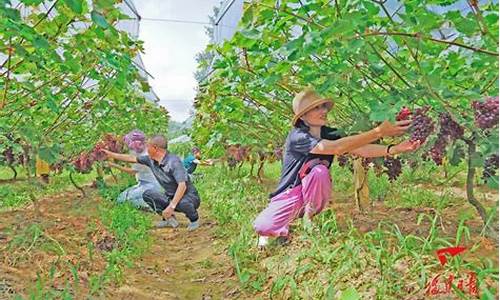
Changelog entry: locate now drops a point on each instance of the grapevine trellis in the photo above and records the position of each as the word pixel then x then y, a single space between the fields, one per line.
pixel 67 76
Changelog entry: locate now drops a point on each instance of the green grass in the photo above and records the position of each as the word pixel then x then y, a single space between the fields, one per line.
pixel 22 192
pixel 128 226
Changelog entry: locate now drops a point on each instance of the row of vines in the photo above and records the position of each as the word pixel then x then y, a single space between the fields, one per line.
pixel 67 77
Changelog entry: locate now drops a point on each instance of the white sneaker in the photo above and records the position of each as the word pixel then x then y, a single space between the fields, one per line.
pixel 193 225
pixel 263 241
pixel 170 222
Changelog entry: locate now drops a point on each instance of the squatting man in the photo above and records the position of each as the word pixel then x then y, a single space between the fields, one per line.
pixel 179 195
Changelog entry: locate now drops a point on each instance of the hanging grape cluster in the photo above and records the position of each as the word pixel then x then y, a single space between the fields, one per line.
pixel 344 161
pixel 449 127
pixel 438 150
pixel 393 167
pixel 422 125
pixel 83 162
pixel 449 130
pixel 8 155
pixel 490 167
pixel 403 114
pixel 486 112
pixel 367 162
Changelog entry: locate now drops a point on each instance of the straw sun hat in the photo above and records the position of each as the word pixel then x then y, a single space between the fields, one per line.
pixel 305 101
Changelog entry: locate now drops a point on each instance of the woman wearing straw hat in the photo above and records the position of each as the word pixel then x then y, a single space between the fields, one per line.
pixel 305 185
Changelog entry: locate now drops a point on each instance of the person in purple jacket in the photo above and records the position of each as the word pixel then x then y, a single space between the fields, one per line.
pixel 305 186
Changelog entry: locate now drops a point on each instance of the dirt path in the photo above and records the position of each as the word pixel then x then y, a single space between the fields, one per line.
pixel 52 245
pixel 181 265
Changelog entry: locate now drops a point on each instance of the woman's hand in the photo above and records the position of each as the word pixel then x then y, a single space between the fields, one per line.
pixel 110 164
pixel 396 129
pixel 109 154
pixel 406 146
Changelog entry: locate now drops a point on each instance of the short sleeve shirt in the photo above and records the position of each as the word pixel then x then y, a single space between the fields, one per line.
pixel 143 173
pixel 298 144
pixel 169 172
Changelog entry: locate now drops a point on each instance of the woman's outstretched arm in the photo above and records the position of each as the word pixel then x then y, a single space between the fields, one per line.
pixel 373 150
pixel 122 168
pixel 349 143
pixel 122 157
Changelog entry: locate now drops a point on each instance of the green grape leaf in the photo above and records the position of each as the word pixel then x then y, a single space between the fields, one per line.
pixel 99 19
pixel 75 5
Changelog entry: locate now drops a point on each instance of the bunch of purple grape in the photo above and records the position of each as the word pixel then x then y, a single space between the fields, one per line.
pixel 449 130
pixel 486 113
pixel 490 166
pixel 422 125
pixel 438 149
pixel 83 163
pixel 449 127
pixel 9 156
pixel 278 153
pixel 343 160
pixel 393 167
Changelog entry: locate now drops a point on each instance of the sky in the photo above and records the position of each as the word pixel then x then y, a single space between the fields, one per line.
pixel 170 49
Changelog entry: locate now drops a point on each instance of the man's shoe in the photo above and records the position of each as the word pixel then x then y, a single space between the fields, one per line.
pixel 170 222
pixel 193 225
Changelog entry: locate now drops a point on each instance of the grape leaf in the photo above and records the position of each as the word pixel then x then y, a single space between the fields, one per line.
pixel 99 19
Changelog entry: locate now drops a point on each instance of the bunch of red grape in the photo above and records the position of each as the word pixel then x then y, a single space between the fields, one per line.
pixel 486 113
pixel 58 167
pixel 231 162
pixel 112 143
pixel 97 153
pixel 25 156
pixel 422 125
pixel 403 114
pixel 109 142
pixel 9 157
pixel 393 167
pixel 345 161
pixel 83 163
pixel 490 166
